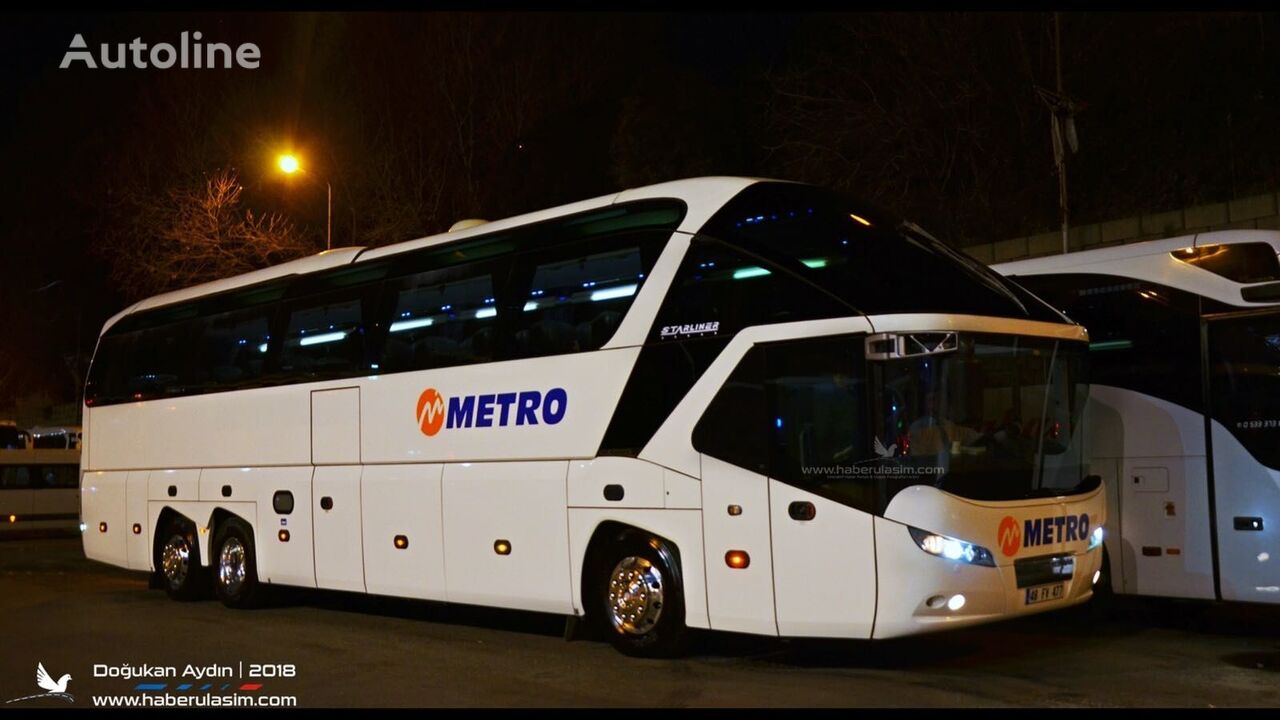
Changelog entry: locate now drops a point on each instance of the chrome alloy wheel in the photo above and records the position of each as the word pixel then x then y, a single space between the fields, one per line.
pixel 232 565
pixel 175 560
pixel 635 596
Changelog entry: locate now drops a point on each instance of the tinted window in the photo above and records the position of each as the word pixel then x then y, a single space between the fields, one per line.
pixel 720 290
pixel 56 476
pixel 818 405
pixel 1142 336
pixel 1243 262
pixel 440 318
pixel 449 304
pixel 874 262
pixel 232 349
pixel 15 477
pixel 735 428
pixel 1244 355
pixel 324 336
pixel 796 411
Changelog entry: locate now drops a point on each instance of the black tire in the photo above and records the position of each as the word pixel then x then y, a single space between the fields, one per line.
pixel 178 563
pixel 235 566
pixel 1103 603
pixel 639 599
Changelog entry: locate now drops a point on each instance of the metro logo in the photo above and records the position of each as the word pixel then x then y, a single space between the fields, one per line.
pixel 1041 531
pixel 430 411
pixel 1009 535
pixel 528 407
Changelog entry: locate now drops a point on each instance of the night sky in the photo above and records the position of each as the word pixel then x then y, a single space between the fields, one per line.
pixel 419 120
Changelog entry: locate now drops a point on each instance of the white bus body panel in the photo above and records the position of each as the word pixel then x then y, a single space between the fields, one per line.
pixel 103 500
pixel 1151 453
pixel 335 426
pixel 338 542
pixel 403 500
pixel 824 569
pixel 523 504
pixel 250 428
pixel 739 600
pixel 139 547
pixel 1248 559
pixel 642 483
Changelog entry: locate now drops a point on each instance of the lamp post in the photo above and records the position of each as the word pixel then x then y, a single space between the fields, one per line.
pixel 290 165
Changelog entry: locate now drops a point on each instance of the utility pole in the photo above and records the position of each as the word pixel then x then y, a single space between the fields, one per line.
pixel 1062 128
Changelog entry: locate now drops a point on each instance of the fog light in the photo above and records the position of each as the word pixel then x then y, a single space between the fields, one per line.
pixel 955 603
pixel 1097 574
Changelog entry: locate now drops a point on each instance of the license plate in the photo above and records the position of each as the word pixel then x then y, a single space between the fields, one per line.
pixel 1044 593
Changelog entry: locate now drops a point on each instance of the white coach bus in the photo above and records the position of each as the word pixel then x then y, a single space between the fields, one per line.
pixel 1184 412
pixel 716 403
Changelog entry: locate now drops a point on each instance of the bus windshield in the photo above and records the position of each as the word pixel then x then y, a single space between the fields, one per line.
pixel 985 417
pixel 872 261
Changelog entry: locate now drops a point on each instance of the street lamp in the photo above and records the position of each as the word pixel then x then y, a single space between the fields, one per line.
pixel 289 164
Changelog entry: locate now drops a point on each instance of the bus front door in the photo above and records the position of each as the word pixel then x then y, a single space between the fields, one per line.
pixel 1243 351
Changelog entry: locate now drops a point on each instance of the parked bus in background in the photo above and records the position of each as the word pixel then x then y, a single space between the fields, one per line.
pixel 64 437
pixel 1184 417
pixel 39 490
pixel 715 403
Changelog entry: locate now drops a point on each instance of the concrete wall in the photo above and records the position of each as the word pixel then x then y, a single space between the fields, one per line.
pixel 1260 212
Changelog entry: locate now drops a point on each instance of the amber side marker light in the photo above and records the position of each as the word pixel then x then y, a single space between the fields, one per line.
pixel 137 529
pixel 737 559
pixel 284 536
pixel 502 547
pixel 401 542
pixel 13 518
pixel 102 527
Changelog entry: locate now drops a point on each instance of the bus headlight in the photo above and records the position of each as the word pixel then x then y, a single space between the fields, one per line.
pixel 951 548
pixel 1095 538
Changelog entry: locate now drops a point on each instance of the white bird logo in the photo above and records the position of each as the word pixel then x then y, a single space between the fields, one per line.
pixel 47 683
pixel 52 688
pixel 885 452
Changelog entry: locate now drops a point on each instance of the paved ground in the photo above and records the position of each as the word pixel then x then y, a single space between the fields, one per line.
pixel 61 610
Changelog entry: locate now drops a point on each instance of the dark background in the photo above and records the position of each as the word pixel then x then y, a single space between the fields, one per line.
pixel 419 120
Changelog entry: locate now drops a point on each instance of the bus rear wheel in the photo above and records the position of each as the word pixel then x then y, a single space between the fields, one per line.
pixel 639 600
pixel 179 566
pixel 235 568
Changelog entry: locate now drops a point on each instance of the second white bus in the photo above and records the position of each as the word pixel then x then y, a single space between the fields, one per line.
pixel 1184 412
pixel 716 403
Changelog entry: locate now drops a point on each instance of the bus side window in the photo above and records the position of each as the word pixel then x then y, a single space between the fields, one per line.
pixel 440 318
pixel 734 427
pixel 817 393
pixel 719 291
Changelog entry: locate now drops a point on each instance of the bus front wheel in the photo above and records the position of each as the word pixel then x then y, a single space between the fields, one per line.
pixel 235 568
pixel 640 601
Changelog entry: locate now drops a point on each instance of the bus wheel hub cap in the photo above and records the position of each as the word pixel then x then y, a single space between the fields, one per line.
pixel 635 596
pixel 175 560
pixel 231 565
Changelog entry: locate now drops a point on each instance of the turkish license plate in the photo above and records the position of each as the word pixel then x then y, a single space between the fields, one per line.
pixel 1045 593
